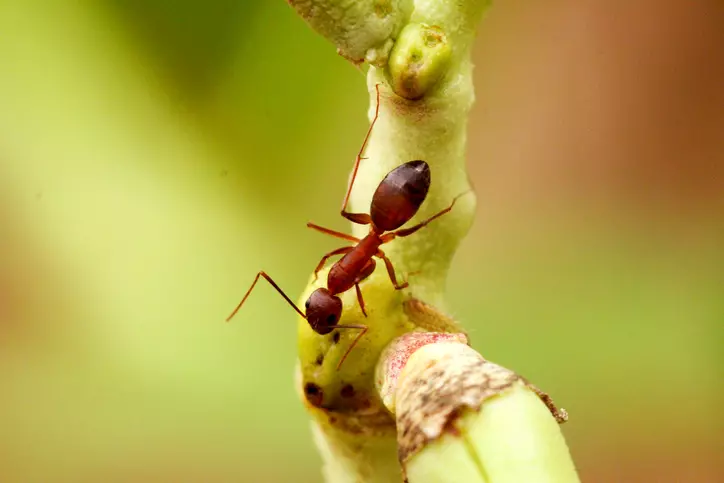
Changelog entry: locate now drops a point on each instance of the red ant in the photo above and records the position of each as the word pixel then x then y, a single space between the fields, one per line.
pixel 396 200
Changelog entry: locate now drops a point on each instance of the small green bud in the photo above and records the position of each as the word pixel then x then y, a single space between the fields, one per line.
pixel 418 60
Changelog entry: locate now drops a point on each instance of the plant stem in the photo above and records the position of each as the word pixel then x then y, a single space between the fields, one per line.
pixel 419 51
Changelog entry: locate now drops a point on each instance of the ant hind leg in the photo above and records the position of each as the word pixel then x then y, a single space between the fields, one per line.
pixel 409 231
pixel 361 218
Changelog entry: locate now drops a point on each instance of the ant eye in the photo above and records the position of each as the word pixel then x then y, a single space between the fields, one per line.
pixel 331 319
pixel 307 303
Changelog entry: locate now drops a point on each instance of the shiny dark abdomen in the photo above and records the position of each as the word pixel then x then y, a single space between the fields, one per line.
pixel 399 195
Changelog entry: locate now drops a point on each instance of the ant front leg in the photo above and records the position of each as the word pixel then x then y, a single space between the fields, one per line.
pixel 364 330
pixel 338 251
pixel 360 218
pixel 391 271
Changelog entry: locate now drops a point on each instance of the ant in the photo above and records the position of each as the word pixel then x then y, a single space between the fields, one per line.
pixel 396 200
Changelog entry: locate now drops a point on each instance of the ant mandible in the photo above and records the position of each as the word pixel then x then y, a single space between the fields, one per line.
pixel 396 200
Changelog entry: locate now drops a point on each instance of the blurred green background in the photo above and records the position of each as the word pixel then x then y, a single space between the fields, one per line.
pixel 154 155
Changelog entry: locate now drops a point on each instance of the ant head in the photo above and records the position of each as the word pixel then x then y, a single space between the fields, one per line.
pixel 323 311
pixel 400 194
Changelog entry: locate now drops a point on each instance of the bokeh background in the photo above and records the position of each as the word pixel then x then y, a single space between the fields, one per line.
pixel 155 154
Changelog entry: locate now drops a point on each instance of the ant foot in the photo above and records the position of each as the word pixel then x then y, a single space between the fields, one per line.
pixel 406 283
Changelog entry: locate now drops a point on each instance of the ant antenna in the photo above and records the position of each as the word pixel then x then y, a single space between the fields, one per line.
pixel 364 330
pixel 273 284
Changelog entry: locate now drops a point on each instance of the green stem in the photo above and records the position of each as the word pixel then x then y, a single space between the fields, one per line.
pixel 419 53
pixel 433 128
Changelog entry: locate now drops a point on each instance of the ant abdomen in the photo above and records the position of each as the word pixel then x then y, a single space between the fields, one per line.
pixel 399 195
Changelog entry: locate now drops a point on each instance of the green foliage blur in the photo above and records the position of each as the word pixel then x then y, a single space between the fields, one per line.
pixel 155 155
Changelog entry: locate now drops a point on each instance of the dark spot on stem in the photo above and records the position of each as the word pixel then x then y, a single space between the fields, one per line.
pixel 335 337
pixel 320 359
pixel 347 391
pixel 314 394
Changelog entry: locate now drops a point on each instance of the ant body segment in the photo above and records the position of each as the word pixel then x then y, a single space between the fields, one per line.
pixel 395 201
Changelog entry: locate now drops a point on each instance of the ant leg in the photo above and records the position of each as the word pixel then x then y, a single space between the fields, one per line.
pixel 337 234
pixel 391 271
pixel 360 299
pixel 338 251
pixel 363 274
pixel 361 218
pixel 409 231
pixel 364 330
pixel 273 284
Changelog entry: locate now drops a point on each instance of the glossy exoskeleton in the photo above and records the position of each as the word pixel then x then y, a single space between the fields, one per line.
pixel 396 200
